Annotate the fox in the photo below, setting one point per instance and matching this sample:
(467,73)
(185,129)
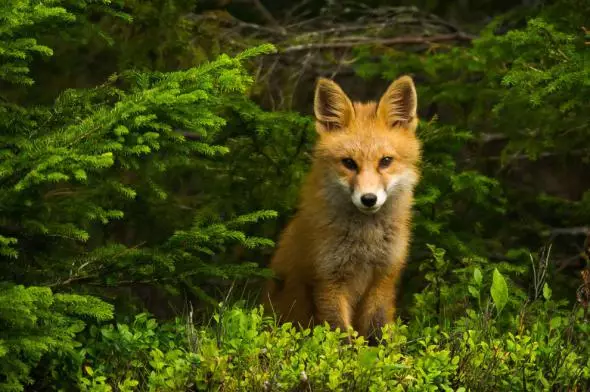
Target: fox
(339,259)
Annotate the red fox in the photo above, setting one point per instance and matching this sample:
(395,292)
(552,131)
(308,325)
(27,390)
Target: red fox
(340,258)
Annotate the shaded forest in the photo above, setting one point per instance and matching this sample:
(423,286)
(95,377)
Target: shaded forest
(152,151)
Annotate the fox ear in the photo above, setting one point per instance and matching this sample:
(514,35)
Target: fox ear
(332,108)
(398,106)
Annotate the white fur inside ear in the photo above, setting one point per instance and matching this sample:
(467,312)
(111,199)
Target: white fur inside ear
(404,181)
(332,107)
(399,104)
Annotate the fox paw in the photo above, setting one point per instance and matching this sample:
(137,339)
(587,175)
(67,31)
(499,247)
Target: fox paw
(377,322)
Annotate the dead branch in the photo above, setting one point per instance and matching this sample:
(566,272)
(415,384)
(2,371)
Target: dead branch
(267,15)
(387,41)
(582,230)
(492,137)
(324,44)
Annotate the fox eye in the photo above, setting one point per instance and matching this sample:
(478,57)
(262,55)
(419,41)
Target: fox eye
(349,163)
(385,162)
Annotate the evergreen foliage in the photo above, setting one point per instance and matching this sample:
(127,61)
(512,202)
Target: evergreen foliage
(71,170)
(35,322)
(16,47)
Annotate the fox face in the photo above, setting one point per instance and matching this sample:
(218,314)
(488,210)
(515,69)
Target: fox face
(367,152)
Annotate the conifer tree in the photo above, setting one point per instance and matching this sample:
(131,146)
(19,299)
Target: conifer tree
(88,197)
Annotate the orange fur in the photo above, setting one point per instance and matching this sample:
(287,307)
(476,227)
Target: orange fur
(338,260)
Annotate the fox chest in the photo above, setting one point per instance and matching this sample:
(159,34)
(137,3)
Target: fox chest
(352,254)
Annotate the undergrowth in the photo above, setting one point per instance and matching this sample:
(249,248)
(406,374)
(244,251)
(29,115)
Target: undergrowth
(494,344)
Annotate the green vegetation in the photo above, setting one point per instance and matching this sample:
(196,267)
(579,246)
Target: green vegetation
(143,179)
(243,351)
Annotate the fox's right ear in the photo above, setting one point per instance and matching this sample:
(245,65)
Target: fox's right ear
(332,108)
(397,107)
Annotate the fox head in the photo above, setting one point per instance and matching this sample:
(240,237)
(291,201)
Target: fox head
(367,152)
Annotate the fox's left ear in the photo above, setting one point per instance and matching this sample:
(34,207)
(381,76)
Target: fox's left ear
(332,108)
(398,106)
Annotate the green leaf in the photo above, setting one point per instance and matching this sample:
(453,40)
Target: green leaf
(368,357)
(477,277)
(555,322)
(547,291)
(499,290)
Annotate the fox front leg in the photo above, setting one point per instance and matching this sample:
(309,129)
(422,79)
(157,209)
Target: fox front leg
(377,308)
(332,305)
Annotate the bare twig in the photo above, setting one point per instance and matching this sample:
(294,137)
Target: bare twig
(322,45)
(539,275)
(492,137)
(581,230)
(267,15)
(567,262)
(384,41)
(231,21)
(291,14)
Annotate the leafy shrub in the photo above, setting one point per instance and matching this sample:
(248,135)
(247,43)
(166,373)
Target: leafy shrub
(541,347)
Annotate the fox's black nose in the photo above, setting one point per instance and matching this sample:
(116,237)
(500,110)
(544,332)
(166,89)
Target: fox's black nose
(369,199)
